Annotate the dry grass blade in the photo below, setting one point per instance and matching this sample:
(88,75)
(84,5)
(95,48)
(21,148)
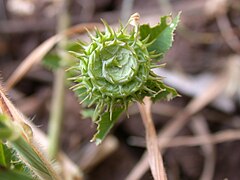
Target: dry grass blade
(228,33)
(154,156)
(220,137)
(200,127)
(37,54)
(180,120)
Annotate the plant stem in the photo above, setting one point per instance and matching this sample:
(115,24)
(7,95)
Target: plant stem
(56,112)
(59,86)
(154,155)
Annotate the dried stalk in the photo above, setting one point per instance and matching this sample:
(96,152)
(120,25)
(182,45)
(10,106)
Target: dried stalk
(154,156)
(173,127)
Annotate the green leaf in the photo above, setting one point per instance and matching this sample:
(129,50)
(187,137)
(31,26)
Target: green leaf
(10,162)
(32,158)
(5,133)
(27,154)
(73,46)
(12,174)
(51,61)
(160,36)
(87,113)
(105,125)
(2,156)
(165,93)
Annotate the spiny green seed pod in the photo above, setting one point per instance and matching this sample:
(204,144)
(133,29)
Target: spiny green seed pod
(114,69)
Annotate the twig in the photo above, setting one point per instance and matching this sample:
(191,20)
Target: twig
(219,137)
(154,156)
(161,109)
(200,127)
(228,33)
(180,120)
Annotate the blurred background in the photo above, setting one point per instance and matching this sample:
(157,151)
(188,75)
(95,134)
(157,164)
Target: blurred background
(203,65)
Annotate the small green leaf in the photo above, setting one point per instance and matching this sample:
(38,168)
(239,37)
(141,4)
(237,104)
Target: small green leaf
(105,125)
(10,162)
(2,156)
(87,113)
(12,174)
(51,61)
(160,36)
(73,46)
(26,152)
(165,93)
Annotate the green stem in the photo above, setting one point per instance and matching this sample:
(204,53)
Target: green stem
(59,85)
(2,156)
(56,112)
